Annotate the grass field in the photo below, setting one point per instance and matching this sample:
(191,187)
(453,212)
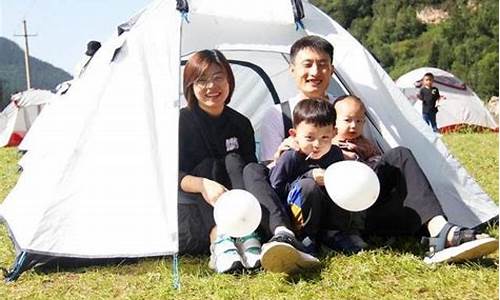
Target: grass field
(386,272)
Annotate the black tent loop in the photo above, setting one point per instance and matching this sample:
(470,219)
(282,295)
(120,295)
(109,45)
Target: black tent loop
(182,6)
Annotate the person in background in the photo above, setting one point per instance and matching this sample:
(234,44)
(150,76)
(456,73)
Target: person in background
(429,95)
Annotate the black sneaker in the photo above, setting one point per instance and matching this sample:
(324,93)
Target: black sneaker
(310,246)
(284,254)
(341,242)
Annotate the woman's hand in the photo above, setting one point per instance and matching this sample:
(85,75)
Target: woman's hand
(287,144)
(211,190)
(319,176)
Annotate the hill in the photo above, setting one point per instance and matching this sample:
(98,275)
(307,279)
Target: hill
(12,72)
(460,36)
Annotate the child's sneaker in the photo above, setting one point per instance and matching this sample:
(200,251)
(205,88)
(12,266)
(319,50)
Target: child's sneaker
(342,242)
(224,257)
(284,254)
(358,240)
(250,248)
(310,246)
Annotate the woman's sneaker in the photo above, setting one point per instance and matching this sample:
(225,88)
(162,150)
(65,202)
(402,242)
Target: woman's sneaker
(224,256)
(249,248)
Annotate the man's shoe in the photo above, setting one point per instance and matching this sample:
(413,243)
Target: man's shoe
(284,254)
(224,256)
(466,244)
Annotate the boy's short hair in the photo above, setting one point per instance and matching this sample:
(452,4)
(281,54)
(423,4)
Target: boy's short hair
(313,42)
(429,74)
(352,97)
(314,111)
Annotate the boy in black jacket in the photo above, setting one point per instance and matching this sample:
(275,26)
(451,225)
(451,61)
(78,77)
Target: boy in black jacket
(429,95)
(298,176)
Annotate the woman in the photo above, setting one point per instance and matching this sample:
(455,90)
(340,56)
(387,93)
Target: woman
(215,143)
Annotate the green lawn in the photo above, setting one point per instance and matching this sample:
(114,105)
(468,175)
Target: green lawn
(395,272)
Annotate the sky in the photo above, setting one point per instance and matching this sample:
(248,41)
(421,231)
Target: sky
(63,27)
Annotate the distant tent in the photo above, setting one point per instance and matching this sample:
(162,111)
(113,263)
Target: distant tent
(109,188)
(17,117)
(461,107)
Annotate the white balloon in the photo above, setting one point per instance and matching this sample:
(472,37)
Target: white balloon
(352,185)
(237,213)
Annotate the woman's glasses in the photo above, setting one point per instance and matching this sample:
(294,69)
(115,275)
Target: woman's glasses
(216,79)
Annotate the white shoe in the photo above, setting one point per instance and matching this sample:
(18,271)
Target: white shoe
(224,256)
(280,256)
(469,250)
(249,248)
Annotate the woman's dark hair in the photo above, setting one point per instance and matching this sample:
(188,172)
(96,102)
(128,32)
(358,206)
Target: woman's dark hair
(313,42)
(197,64)
(314,111)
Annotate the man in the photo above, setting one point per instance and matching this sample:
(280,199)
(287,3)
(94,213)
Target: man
(311,67)
(401,214)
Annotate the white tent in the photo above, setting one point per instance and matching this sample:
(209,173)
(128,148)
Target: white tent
(18,116)
(109,188)
(460,105)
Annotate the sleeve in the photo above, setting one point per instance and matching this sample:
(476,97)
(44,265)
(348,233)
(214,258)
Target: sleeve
(248,142)
(338,155)
(419,95)
(367,149)
(271,133)
(437,95)
(282,173)
(185,132)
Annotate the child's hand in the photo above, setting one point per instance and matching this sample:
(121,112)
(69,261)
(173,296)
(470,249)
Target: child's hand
(319,176)
(211,190)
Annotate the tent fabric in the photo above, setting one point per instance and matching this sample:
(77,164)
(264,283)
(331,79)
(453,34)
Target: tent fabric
(460,106)
(109,187)
(21,112)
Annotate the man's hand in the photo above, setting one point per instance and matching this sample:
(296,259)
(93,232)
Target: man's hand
(287,144)
(346,145)
(350,155)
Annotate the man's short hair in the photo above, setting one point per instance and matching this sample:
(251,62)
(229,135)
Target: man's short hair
(314,111)
(312,42)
